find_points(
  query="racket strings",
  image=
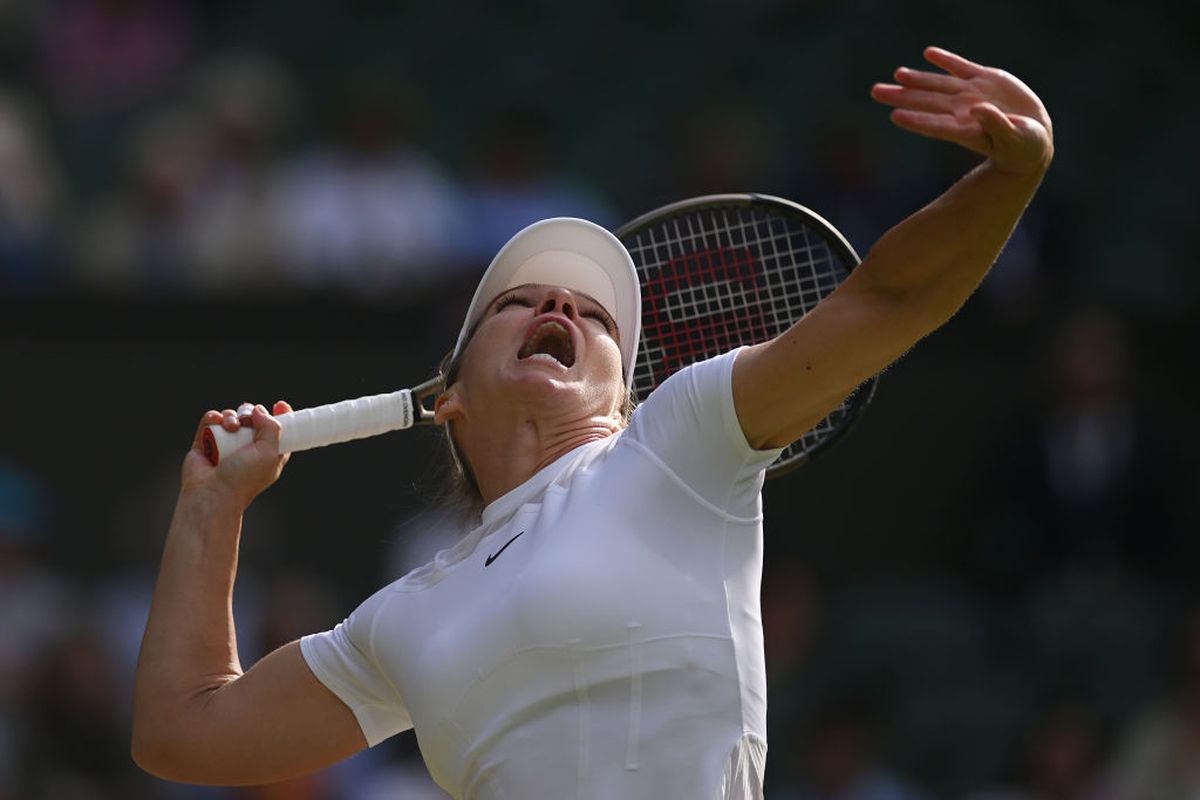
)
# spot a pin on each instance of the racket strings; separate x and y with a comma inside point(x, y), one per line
point(721, 277)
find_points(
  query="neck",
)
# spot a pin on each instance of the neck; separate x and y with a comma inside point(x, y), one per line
point(502, 457)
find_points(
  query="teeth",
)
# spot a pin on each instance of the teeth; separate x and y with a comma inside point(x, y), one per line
point(544, 330)
point(544, 357)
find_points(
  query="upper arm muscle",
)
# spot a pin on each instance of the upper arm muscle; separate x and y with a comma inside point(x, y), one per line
point(783, 387)
point(274, 722)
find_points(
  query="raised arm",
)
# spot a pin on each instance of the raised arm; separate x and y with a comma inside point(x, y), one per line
point(196, 717)
point(921, 271)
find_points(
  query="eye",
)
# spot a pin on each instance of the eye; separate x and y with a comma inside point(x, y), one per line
point(512, 298)
point(603, 318)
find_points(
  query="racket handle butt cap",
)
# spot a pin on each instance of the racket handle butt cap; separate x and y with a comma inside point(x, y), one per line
point(215, 440)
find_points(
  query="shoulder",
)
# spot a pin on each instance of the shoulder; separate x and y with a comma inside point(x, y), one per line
point(697, 397)
point(710, 380)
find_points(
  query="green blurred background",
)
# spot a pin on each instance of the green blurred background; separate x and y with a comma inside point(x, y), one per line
point(986, 591)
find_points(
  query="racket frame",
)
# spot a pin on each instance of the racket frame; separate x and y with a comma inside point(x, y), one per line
point(850, 410)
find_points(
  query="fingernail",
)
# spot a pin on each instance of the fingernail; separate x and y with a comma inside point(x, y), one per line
point(261, 408)
point(245, 409)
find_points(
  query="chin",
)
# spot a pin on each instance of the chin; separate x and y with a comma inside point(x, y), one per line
point(549, 386)
point(544, 380)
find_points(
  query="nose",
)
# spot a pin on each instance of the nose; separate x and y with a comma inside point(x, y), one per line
point(559, 299)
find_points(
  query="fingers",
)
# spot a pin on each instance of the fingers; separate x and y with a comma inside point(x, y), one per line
point(230, 420)
point(247, 415)
point(955, 64)
point(255, 416)
point(915, 99)
point(981, 108)
point(266, 427)
point(210, 418)
point(929, 81)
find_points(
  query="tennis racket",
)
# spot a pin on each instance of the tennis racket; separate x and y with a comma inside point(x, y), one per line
point(717, 272)
point(727, 270)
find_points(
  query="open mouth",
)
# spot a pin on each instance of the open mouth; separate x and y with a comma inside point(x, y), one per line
point(549, 341)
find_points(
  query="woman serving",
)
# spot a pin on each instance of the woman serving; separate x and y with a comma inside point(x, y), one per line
point(597, 633)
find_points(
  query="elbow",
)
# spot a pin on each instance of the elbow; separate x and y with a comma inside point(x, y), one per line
point(149, 745)
point(162, 753)
point(152, 752)
point(148, 755)
point(175, 740)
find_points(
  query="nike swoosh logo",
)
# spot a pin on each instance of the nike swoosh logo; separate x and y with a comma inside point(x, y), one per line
point(495, 555)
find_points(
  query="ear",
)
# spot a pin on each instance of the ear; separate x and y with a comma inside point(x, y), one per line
point(448, 406)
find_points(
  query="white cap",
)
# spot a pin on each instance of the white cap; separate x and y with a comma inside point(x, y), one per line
point(574, 254)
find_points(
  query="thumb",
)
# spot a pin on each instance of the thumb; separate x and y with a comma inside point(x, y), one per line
point(266, 429)
point(995, 122)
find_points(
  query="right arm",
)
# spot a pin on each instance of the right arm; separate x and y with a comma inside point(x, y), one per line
point(922, 270)
point(196, 717)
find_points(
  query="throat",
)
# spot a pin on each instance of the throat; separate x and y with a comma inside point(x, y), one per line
point(569, 443)
point(503, 461)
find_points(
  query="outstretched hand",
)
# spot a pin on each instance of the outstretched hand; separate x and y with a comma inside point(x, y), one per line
point(983, 109)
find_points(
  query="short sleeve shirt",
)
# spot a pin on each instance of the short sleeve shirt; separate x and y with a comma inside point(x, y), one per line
point(598, 635)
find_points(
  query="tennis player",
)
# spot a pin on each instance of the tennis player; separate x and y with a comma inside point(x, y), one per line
point(597, 633)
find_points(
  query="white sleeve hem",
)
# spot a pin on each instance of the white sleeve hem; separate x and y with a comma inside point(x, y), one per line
point(372, 729)
point(733, 425)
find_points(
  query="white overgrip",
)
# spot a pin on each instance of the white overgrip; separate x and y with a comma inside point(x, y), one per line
point(344, 421)
point(323, 425)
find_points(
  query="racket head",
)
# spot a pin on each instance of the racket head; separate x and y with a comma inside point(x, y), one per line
point(722, 271)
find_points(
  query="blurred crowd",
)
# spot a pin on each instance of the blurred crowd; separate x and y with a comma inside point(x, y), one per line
point(133, 162)
point(1049, 649)
point(1054, 655)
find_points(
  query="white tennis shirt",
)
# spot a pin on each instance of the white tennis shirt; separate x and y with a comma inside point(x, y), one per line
point(598, 636)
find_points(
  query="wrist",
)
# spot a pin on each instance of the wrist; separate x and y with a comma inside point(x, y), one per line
point(210, 500)
point(1033, 170)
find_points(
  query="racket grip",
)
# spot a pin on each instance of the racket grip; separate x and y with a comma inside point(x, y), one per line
point(322, 425)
